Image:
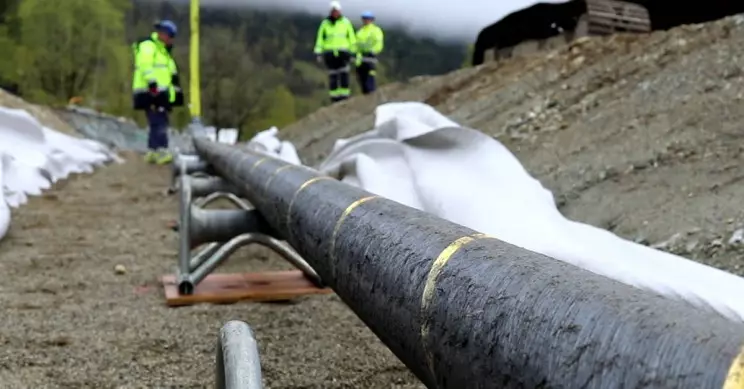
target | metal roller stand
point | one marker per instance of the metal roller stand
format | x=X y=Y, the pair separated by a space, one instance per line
x=203 y=186
x=187 y=164
x=238 y=362
x=206 y=190
x=221 y=231
x=212 y=197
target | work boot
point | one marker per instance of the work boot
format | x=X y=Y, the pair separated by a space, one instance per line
x=164 y=157
x=151 y=156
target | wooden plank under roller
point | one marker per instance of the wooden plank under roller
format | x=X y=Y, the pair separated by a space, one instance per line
x=223 y=288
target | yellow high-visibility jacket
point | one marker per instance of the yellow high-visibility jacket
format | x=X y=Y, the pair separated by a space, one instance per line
x=370 y=39
x=153 y=64
x=335 y=36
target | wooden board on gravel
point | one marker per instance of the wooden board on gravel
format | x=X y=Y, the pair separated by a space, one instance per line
x=231 y=288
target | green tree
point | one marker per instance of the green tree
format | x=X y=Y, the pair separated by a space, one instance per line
x=467 y=62
x=7 y=9
x=276 y=108
x=68 y=46
x=7 y=60
x=233 y=84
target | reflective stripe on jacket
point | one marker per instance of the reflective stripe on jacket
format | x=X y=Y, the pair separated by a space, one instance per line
x=370 y=39
x=335 y=35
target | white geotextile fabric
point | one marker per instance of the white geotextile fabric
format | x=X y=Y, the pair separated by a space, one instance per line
x=33 y=157
x=420 y=158
x=225 y=135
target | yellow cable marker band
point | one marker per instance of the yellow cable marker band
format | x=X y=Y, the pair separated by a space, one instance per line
x=430 y=286
x=275 y=173
x=735 y=376
x=337 y=228
x=294 y=197
x=255 y=164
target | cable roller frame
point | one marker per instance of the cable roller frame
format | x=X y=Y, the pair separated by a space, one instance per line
x=465 y=310
x=185 y=164
x=220 y=231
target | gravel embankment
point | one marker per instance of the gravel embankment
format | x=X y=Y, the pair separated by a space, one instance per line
x=69 y=321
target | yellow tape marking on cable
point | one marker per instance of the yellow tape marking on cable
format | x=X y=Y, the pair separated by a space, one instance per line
x=255 y=164
x=253 y=167
x=430 y=286
x=275 y=173
x=735 y=376
x=337 y=228
x=294 y=197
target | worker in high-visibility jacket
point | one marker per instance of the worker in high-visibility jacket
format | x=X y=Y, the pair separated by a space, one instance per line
x=156 y=88
x=370 y=41
x=335 y=46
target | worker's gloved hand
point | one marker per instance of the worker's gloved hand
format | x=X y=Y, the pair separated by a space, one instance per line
x=153 y=88
x=319 y=58
x=358 y=61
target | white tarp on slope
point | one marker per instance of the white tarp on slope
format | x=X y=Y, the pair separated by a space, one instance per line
x=33 y=157
x=418 y=157
x=4 y=208
x=224 y=135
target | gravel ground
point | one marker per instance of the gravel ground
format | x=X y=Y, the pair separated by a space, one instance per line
x=69 y=321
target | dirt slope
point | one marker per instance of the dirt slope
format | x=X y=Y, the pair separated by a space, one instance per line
x=637 y=134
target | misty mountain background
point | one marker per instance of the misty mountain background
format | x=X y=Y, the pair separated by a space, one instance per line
x=257 y=64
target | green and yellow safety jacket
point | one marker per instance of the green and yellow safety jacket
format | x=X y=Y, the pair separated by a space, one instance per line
x=335 y=35
x=154 y=65
x=370 y=40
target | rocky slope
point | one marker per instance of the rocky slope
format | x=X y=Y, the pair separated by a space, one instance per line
x=640 y=134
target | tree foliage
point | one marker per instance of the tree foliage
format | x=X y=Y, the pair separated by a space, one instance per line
x=467 y=62
x=67 y=46
x=257 y=67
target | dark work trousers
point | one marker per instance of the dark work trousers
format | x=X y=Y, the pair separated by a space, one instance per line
x=366 y=73
x=338 y=75
x=157 y=119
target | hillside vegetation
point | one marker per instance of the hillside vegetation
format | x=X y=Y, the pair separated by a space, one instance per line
x=257 y=67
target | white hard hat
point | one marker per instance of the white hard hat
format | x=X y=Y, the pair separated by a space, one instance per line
x=335 y=5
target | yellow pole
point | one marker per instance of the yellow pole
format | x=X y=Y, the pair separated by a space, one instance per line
x=194 y=84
